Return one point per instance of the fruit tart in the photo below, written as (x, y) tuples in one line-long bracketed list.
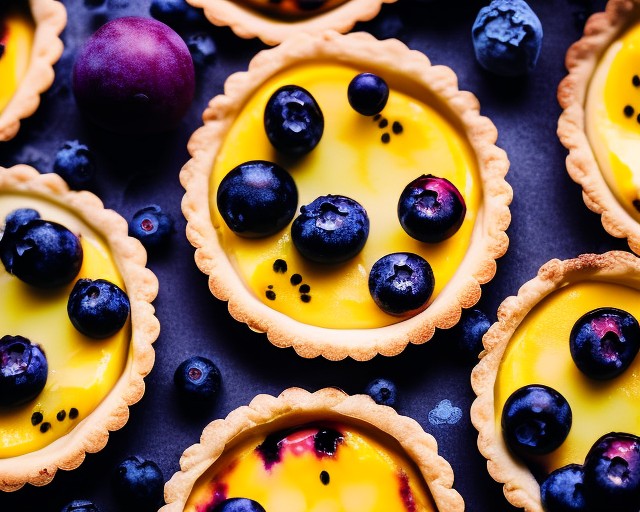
[(600, 124), (313, 451), (76, 336), (345, 197), (274, 21), (557, 387), (29, 47)]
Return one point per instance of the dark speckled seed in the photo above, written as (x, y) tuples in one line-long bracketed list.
[(628, 111), (296, 279), (305, 288), (385, 138), (45, 426), (324, 477), (271, 295), (397, 128), (384, 123), (305, 298), (73, 413), (636, 204), (636, 81), (377, 117), (61, 415), (36, 418), (280, 266)]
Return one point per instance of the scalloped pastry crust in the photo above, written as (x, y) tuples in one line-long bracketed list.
[(50, 17), (488, 242), (328, 403), (581, 61), (91, 434), (520, 487)]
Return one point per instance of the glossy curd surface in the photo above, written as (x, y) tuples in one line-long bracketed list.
[(353, 160), (16, 34), (82, 370)]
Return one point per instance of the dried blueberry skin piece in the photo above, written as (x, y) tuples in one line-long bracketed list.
[(80, 506), (238, 505), (197, 379), (138, 484), (152, 226), (368, 94), (293, 120), (257, 198), (604, 342), (383, 391), (23, 370), (563, 490)]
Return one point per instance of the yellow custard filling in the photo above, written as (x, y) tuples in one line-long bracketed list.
[(291, 8), (613, 119), (538, 353), (351, 160), (16, 34), (82, 370), (362, 475)]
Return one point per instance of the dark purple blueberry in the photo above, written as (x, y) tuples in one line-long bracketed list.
[(197, 379), (431, 209), (468, 332), (536, 420), (401, 283), (75, 163), (80, 506), (383, 391), (238, 505), (23, 370), (368, 94), (202, 47), (293, 120), (98, 309), (330, 229), (564, 490), (604, 342), (612, 472), (152, 226), (18, 218), (176, 13), (42, 253), (138, 484), (257, 198)]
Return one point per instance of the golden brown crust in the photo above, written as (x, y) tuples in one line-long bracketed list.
[(581, 60), (489, 240), (520, 487), (247, 22), (332, 403), (91, 434), (50, 18)]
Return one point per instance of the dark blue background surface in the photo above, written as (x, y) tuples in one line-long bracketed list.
[(549, 220)]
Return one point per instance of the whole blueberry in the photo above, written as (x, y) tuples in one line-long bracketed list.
[(431, 209), (368, 94), (257, 198), (138, 484), (23, 370), (536, 420), (202, 47), (383, 391), (42, 253), (293, 120), (507, 36), (197, 379), (330, 229), (604, 342), (612, 472), (564, 490), (98, 309), (80, 506), (75, 163), (401, 283), (18, 218), (152, 226), (176, 13), (238, 505), (468, 332)]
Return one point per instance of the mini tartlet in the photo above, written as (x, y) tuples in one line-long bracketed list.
[(91, 382), (530, 345), (32, 44), (599, 124), (265, 452), (428, 126), (273, 22)]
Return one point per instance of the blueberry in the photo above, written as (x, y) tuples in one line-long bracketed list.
[(138, 484), (431, 209), (257, 198), (80, 506), (18, 218), (152, 226), (368, 94), (612, 472), (202, 48), (238, 505), (197, 379), (42, 253), (507, 36), (75, 163), (401, 283), (293, 120), (468, 332), (604, 342), (564, 490), (98, 309), (23, 370), (330, 229), (536, 420), (383, 391), (178, 14)]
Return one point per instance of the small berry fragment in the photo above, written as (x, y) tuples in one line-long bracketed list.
[(197, 379), (383, 391), (368, 94), (75, 163), (97, 308), (23, 371), (152, 226), (138, 484)]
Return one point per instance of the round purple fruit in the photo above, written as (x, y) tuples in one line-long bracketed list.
[(368, 94), (23, 370), (134, 75)]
